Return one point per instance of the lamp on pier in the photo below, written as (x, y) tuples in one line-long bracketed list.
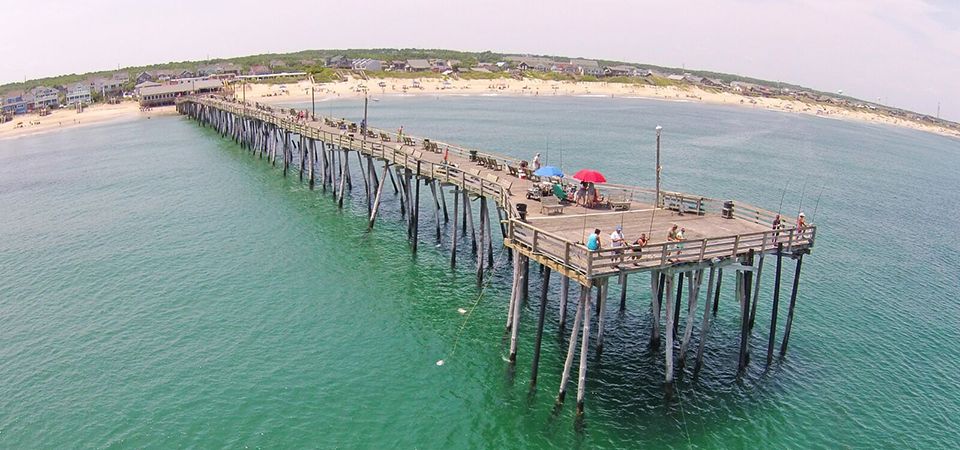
[(659, 168)]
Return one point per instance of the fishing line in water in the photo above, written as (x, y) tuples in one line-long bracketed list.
[(467, 313)]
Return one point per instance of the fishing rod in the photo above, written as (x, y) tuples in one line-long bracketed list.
[(815, 208), (784, 194), (802, 192)]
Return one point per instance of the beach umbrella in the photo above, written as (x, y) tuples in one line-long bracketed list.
[(590, 176), (548, 171)]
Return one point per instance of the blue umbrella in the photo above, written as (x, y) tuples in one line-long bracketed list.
[(548, 171)]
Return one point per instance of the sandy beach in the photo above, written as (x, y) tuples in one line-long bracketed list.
[(67, 118), (300, 92)]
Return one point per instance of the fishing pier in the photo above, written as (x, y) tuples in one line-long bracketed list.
[(721, 235)]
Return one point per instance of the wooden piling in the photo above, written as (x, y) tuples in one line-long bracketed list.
[(572, 344), (515, 331), (415, 210), (756, 291), (623, 291), (693, 292), (705, 328), (668, 351), (584, 349), (793, 304), (456, 218), (376, 200), (602, 307), (564, 293), (716, 292), (776, 304), (544, 288), (656, 295), (483, 219), (676, 310)]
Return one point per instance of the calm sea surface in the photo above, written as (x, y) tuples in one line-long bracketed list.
[(159, 287)]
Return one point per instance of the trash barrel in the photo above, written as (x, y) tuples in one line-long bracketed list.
[(522, 211), (727, 211), (473, 157)]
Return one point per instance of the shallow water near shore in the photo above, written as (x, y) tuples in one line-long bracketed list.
[(161, 287)]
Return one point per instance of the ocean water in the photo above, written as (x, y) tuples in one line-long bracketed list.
[(160, 287)]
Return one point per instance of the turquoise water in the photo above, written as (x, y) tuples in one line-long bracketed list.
[(160, 287)]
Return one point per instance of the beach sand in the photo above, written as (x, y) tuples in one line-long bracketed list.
[(66, 118), (353, 88), (300, 92)]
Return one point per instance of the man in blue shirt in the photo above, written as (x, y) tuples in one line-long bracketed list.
[(593, 241)]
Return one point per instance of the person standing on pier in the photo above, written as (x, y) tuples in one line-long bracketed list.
[(617, 242), (777, 226), (536, 162), (801, 225)]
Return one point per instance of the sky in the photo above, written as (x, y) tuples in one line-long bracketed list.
[(903, 53)]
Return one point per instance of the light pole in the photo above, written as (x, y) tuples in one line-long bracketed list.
[(659, 168), (366, 98), (313, 102)]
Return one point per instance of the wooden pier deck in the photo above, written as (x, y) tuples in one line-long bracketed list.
[(719, 233)]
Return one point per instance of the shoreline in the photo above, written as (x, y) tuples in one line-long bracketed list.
[(68, 118), (299, 92)]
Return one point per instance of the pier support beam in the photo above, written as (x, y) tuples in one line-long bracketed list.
[(693, 289), (776, 304), (572, 344), (623, 291), (601, 312), (564, 293), (668, 351), (544, 288), (376, 200), (456, 218), (656, 296), (793, 304), (744, 286), (584, 349), (515, 329), (705, 327)]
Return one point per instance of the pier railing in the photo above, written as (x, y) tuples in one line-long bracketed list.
[(403, 155), (603, 262)]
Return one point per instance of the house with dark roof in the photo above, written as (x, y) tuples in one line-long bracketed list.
[(418, 65)]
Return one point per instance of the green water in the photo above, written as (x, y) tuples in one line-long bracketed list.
[(160, 287)]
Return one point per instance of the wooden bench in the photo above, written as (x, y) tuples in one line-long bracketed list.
[(619, 203), (550, 204), (384, 137), (494, 164), (409, 141)]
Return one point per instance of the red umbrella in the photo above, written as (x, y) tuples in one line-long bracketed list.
[(590, 176)]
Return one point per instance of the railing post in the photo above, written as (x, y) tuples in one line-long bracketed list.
[(566, 253), (536, 234), (663, 254), (589, 263), (736, 246), (703, 248)]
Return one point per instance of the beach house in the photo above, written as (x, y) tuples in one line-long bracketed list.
[(14, 103), (367, 64), (587, 67), (78, 93), (418, 65), (45, 97)]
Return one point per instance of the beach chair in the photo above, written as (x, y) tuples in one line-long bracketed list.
[(384, 137), (549, 205), (513, 171), (494, 164), (560, 193)]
